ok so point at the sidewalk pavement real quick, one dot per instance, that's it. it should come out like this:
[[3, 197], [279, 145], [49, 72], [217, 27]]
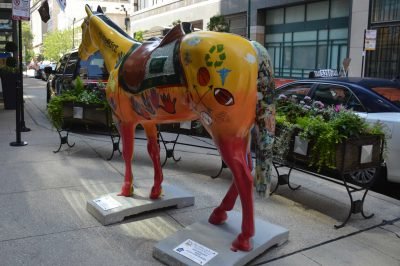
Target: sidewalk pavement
[[43, 217]]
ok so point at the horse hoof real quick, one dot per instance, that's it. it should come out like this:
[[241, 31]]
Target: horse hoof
[[126, 191], [218, 217], [155, 193], [241, 243]]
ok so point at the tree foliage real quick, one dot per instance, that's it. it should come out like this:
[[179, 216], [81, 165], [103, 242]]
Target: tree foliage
[[57, 43], [138, 36], [218, 23], [27, 38], [176, 22]]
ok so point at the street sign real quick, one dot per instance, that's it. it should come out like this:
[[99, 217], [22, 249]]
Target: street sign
[[20, 9], [370, 40]]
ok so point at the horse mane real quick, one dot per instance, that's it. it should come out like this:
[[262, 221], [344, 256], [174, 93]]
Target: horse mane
[[110, 23]]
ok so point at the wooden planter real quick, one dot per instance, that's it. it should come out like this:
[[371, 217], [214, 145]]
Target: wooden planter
[[86, 117], [9, 85], [351, 155]]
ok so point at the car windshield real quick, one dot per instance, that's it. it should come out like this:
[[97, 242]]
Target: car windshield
[[95, 67], [390, 93]]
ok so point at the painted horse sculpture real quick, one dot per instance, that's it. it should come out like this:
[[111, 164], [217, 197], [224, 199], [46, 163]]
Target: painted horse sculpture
[[222, 79]]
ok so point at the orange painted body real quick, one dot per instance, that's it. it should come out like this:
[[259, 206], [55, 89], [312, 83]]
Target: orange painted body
[[220, 77]]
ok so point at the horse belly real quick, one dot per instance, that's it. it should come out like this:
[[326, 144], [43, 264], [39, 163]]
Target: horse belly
[[159, 105]]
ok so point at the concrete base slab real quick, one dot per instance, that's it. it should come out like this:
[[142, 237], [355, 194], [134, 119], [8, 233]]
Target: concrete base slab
[[138, 203], [219, 239]]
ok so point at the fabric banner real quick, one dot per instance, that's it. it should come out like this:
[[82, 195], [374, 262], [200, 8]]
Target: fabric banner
[[20, 9], [44, 11]]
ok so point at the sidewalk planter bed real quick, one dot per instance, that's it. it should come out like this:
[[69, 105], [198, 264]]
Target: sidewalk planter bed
[[86, 117], [82, 110], [9, 85], [350, 155], [326, 139], [9, 76]]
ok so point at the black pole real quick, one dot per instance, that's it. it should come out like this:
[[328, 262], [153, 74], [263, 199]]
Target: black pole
[[248, 18], [19, 92], [23, 127]]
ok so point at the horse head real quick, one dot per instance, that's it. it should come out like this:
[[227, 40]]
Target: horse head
[[87, 46]]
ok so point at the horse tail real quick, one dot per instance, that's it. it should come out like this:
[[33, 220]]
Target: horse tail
[[264, 129]]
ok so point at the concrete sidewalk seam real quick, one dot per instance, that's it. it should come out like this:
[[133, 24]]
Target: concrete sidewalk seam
[[383, 223]]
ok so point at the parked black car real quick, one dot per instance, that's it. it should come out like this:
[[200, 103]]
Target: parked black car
[[69, 67]]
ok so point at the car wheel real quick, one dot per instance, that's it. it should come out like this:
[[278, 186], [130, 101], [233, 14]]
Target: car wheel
[[367, 177]]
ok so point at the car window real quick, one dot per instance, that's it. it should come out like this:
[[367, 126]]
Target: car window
[[392, 94], [333, 95], [94, 67], [61, 64], [71, 65], [300, 90]]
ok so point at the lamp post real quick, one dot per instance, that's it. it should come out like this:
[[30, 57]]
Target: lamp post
[[73, 33], [127, 20]]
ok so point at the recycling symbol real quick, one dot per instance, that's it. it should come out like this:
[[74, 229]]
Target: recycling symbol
[[216, 52]]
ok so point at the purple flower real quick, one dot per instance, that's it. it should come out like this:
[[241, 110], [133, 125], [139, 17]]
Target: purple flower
[[307, 98], [319, 104], [338, 107], [282, 96]]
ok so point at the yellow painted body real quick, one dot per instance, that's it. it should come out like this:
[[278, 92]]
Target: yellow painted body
[[195, 100]]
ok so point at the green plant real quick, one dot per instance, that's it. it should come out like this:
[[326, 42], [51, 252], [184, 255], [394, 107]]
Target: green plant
[[322, 126], [77, 94], [218, 23], [11, 62]]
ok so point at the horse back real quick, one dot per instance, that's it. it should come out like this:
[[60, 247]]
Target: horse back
[[154, 63]]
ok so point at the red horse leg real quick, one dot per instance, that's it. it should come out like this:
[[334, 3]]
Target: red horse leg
[[153, 149], [127, 135], [219, 215], [234, 153]]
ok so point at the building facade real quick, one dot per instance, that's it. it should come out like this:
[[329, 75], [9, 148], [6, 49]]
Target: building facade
[[300, 35], [72, 17]]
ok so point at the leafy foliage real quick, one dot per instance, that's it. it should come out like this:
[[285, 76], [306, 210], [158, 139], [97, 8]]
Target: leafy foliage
[[77, 94], [56, 44], [27, 38], [176, 22], [218, 23], [324, 127], [138, 36]]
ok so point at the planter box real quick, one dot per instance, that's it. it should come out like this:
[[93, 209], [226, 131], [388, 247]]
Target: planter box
[[86, 117], [190, 128], [351, 155], [9, 85]]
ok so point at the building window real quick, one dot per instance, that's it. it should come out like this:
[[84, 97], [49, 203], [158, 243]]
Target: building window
[[384, 61], [237, 24], [385, 11], [307, 37]]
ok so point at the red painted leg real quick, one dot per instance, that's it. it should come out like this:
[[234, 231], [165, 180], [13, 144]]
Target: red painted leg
[[153, 149], [219, 215], [127, 135], [234, 152]]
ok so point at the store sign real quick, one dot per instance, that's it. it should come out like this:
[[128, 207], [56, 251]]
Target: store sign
[[324, 73], [20, 9], [370, 40]]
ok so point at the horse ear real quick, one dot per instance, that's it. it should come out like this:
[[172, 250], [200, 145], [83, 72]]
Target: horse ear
[[100, 10], [88, 10]]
